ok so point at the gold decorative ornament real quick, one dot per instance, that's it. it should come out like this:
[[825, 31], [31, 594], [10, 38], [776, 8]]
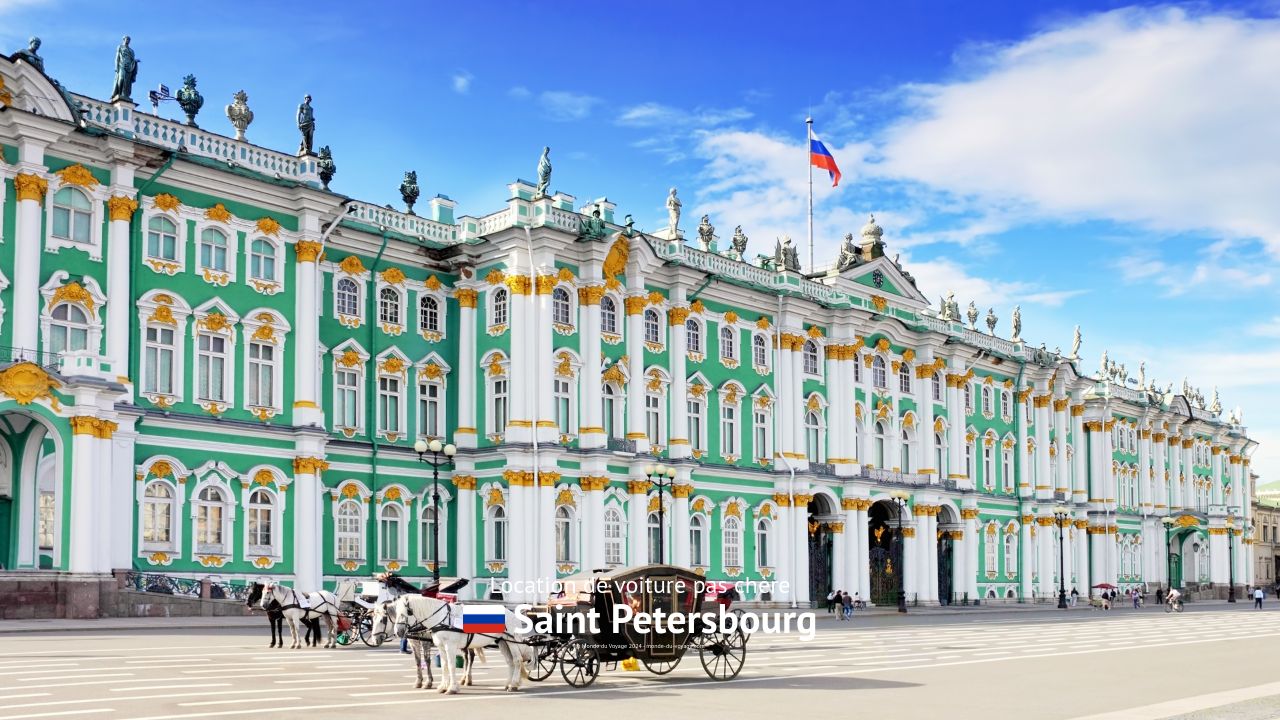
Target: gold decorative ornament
[[495, 277], [615, 262], [466, 297], [590, 294], [351, 265], [120, 207], [72, 292], [161, 469], [306, 250], [495, 365], [78, 175], [218, 213], [393, 365], [393, 275], [27, 382], [309, 466], [464, 482], [349, 358], [30, 187], [268, 226], [879, 303], [265, 333], [518, 284], [677, 316]]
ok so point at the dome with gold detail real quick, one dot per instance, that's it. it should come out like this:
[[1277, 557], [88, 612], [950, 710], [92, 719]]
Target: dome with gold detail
[[871, 232]]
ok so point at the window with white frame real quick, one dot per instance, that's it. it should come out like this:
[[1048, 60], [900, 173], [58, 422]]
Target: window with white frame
[[1006, 470], [428, 314], [653, 418], [389, 306], [563, 393], [500, 307], [498, 405], [857, 368], [810, 355], [162, 239], [939, 454], [608, 315], [988, 466], [68, 328], [968, 459], [728, 428], [348, 533], [1010, 554], [614, 536], [262, 260], [904, 378], [496, 534], [611, 402], [72, 216], [937, 386], [813, 436], [728, 343], [158, 360], [760, 434], [390, 529], [260, 380], [697, 423], [347, 297], [904, 451], [698, 541], [211, 516], [1004, 404], [211, 367], [652, 327], [565, 550], [429, 534], [561, 307], [262, 522], [346, 397], [878, 376], [968, 399], [213, 250], [693, 336], [759, 351], [986, 401], [655, 538], [764, 526], [159, 506], [881, 440], [731, 528], [991, 541], [388, 404], [430, 408]]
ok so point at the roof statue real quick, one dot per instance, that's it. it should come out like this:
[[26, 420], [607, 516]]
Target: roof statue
[[1017, 323], [992, 320], [1075, 344], [707, 235], [1186, 387], [629, 226], [972, 315], [1122, 375], [673, 214], [306, 126], [126, 72], [848, 254], [1216, 406], [326, 167], [593, 227], [544, 173], [785, 256], [409, 189], [30, 55], [1142, 373], [872, 245], [739, 243], [239, 114], [190, 99], [1103, 367]]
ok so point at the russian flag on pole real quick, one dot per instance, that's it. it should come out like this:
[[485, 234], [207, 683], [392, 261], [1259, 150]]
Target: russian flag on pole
[[484, 619], [820, 157]]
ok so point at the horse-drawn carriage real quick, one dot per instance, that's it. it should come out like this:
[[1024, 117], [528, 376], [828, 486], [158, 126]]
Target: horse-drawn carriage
[[580, 649]]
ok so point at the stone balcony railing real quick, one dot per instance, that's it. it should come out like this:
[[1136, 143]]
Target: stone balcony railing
[[404, 223], [175, 135], [890, 476]]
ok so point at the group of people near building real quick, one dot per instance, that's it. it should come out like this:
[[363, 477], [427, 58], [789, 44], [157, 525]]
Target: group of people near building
[[842, 603]]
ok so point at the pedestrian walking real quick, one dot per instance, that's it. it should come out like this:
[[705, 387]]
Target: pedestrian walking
[[1133, 594], [1160, 596], [1075, 597], [846, 603], [832, 599], [1257, 598]]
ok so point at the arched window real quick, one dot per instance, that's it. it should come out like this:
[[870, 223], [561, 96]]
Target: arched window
[[497, 545], [262, 260], [347, 531], [760, 351], [1004, 404], [880, 441], [499, 307], [968, 399], [428, 314], [158, 509], [810, 357], [162, 239], [348, 297], [1011, 554], [655, 539], [210, 532], [904, 378], [763, 527], [937, 386], [72, 216], [878, 377], [990, 550], [693, 336], [813, 436], [430, 407], [564, 535], [939, 454], [614, 537], [653, 424], [389, 532], [389, 306], [728, 343], [262, 538], [652, 326], [905, 452], [213, 250], [986, 400], [561, 306], [429, 533], [68, 328], [608, 315], [697, 542], [732, 527]]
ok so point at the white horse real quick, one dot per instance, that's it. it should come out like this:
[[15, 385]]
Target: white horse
[[416, 615], [297, 606], [419, 643]]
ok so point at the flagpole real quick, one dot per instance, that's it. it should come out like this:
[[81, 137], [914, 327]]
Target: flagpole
[[808, 122]]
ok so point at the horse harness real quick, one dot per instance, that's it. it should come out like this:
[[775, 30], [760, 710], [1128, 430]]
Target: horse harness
[[315, 609], [419, 627]]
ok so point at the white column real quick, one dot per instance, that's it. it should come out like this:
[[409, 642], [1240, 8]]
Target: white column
[[782, 545], [969, 515], [635, 369], [1144, 471], [958, 421], [1098, 540], [520, 420], [678, 431], [1083, 582], [120, 210], [1061, 428], [1020, 457], [305, 502], [81, 554], [929, 581], [1159, 474], [638, 520], [465, 434], [306, 328], [784, 412], [924, 410], [853, 542], [678, 543], [545, 373], [545, 529], [836, 428], [800, 547], [1044, 476], [839, 555], [1175, 472], [799, 459], [910, 558], [519, 523], [1045, 534], [120, 498], [1216, 475], [864, 549], [1219, 562], [463, 537], [1080, 452], [591, 422], [31, 188], [1026, 546]]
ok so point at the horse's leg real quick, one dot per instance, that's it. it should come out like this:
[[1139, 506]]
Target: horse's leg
[[447, 659], [271, 623], [427, 648], [332, 621], [293, 630], [277, 630], [417, 660]]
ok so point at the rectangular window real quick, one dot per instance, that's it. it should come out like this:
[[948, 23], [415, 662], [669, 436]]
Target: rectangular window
[[728, 430], [389, 404], [761, 434], [695, 425], [261, 380], [48, 516], [159, 361], [653, 423], [345, 402], [429, 409], [563, 406], [499, 406], [210, 367]]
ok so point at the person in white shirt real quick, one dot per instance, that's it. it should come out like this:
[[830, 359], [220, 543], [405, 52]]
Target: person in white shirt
[[1257, 598]]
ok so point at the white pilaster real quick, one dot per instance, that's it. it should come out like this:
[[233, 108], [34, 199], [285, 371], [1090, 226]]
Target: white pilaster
[[306, 326], [678, 432], [120, 210], [465, 434], [31, 191], [635, 305]]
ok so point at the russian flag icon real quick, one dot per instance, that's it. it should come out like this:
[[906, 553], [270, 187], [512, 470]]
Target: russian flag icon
[[490, 619]]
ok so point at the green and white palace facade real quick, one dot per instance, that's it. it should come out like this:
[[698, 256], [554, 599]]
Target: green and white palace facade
[[216, 367]]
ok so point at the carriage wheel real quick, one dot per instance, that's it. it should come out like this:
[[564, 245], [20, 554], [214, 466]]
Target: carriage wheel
[[723, 655], [661, 667], [545, 653], [578, 663], [364, 625]]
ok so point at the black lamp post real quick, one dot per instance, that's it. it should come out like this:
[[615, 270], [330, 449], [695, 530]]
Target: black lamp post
[[657, 475], [1231, 559], [899, 498], [1062, 516], [1168, 556], [440, 455]]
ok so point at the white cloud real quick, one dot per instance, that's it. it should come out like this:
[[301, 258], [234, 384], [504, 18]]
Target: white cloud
[[1213, 275], [462, 82], [652, 114], [1267, 329], [1159, 117], [519, 92], [566, 106]]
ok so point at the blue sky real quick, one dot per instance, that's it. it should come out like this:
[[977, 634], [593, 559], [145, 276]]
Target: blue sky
[[1110, 165]]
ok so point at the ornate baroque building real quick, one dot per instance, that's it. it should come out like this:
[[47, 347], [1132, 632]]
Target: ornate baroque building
[[219, 367]]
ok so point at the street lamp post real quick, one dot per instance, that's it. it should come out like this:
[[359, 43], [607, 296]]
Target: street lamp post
[[657, 474], [899, 498], [436, 449], [1168, 556], [1231, 558], [1061, 516]]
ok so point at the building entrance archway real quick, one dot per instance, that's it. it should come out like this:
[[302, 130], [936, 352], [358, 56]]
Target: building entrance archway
[[821, 548], [33, 531], [884, 552]]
